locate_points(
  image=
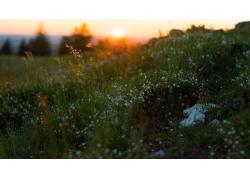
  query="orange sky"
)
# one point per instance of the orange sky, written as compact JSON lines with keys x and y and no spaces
{"x":151,"y":15}
{"x":105,"y":27}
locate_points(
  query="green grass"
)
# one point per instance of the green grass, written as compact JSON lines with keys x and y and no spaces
{"x":86,"y":106}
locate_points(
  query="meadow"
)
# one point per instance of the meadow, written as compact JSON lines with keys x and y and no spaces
{"x":86,"y":105}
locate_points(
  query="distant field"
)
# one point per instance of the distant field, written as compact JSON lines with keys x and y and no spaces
{"x":23,"y":68}
{"x":15,"y":68}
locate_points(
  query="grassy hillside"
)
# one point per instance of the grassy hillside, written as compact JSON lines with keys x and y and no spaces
{"x":130,"y":106}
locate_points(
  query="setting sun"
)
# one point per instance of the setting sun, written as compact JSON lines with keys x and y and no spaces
{"x":117,"y":32}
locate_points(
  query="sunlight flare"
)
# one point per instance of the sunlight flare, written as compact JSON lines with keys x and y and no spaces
{"x":117,"y":32}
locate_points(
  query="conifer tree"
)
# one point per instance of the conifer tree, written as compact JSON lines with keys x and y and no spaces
{"x":23,"y":47}
{"x":79,"y":39}
{"x":40,"y":46}
{"x":62,"y":46}
{"x":6,"y":48}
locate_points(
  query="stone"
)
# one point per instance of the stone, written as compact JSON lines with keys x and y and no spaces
{"x":242,"y":25}
{"x":198,"y":107}
{"x":196,"y":113}
{"x":153,"y":40}
{"x":193,"y":117}
{"x":176,"y":32}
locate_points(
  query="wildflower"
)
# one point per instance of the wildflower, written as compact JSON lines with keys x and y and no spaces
{"x":160,"y":153}
{"x":72,"y":106}
{"x":78,"y":153}
{"x":242,"y":152}
{"x":83,"y":144}
{"x":70,"y":155}
{"x":14,"y":111}
{"x":98,"y":145}
{"x":107,"y":150}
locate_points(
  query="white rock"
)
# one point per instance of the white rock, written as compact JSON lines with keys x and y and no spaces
{"x":187,"y":111}
{"x":196,"y":113}
{"x":200,"y":116}
{"x":190,"y":120}
{"x":199,"y":107}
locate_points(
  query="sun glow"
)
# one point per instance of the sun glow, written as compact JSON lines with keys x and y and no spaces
{"x":117,"y":32}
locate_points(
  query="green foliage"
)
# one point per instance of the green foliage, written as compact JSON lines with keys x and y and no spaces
{"x":197,"y":29}
{"x":85,"y":106}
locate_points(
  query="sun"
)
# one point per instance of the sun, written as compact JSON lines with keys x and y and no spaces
{"x":117,"y":32}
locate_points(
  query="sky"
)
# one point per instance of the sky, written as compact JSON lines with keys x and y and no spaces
{"x":106,"y":27}
{"x":132,"y":18}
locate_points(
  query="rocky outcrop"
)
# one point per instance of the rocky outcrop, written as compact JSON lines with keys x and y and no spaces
{"x":176,"y":32}
{"x":242,"y":25}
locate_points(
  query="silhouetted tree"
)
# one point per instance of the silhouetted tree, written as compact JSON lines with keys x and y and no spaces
{"x":83,"y":30}
{"x":80,"y":40}
{"x":6,"y":48}
{"x":22,"y":48}
{"x":62,"y":46}
{"x":40,"y":46}
{"x":81,"y":37}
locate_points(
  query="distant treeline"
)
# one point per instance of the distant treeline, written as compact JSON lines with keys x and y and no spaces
{"x":40,"y":45}
{"x":80,"y":39}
